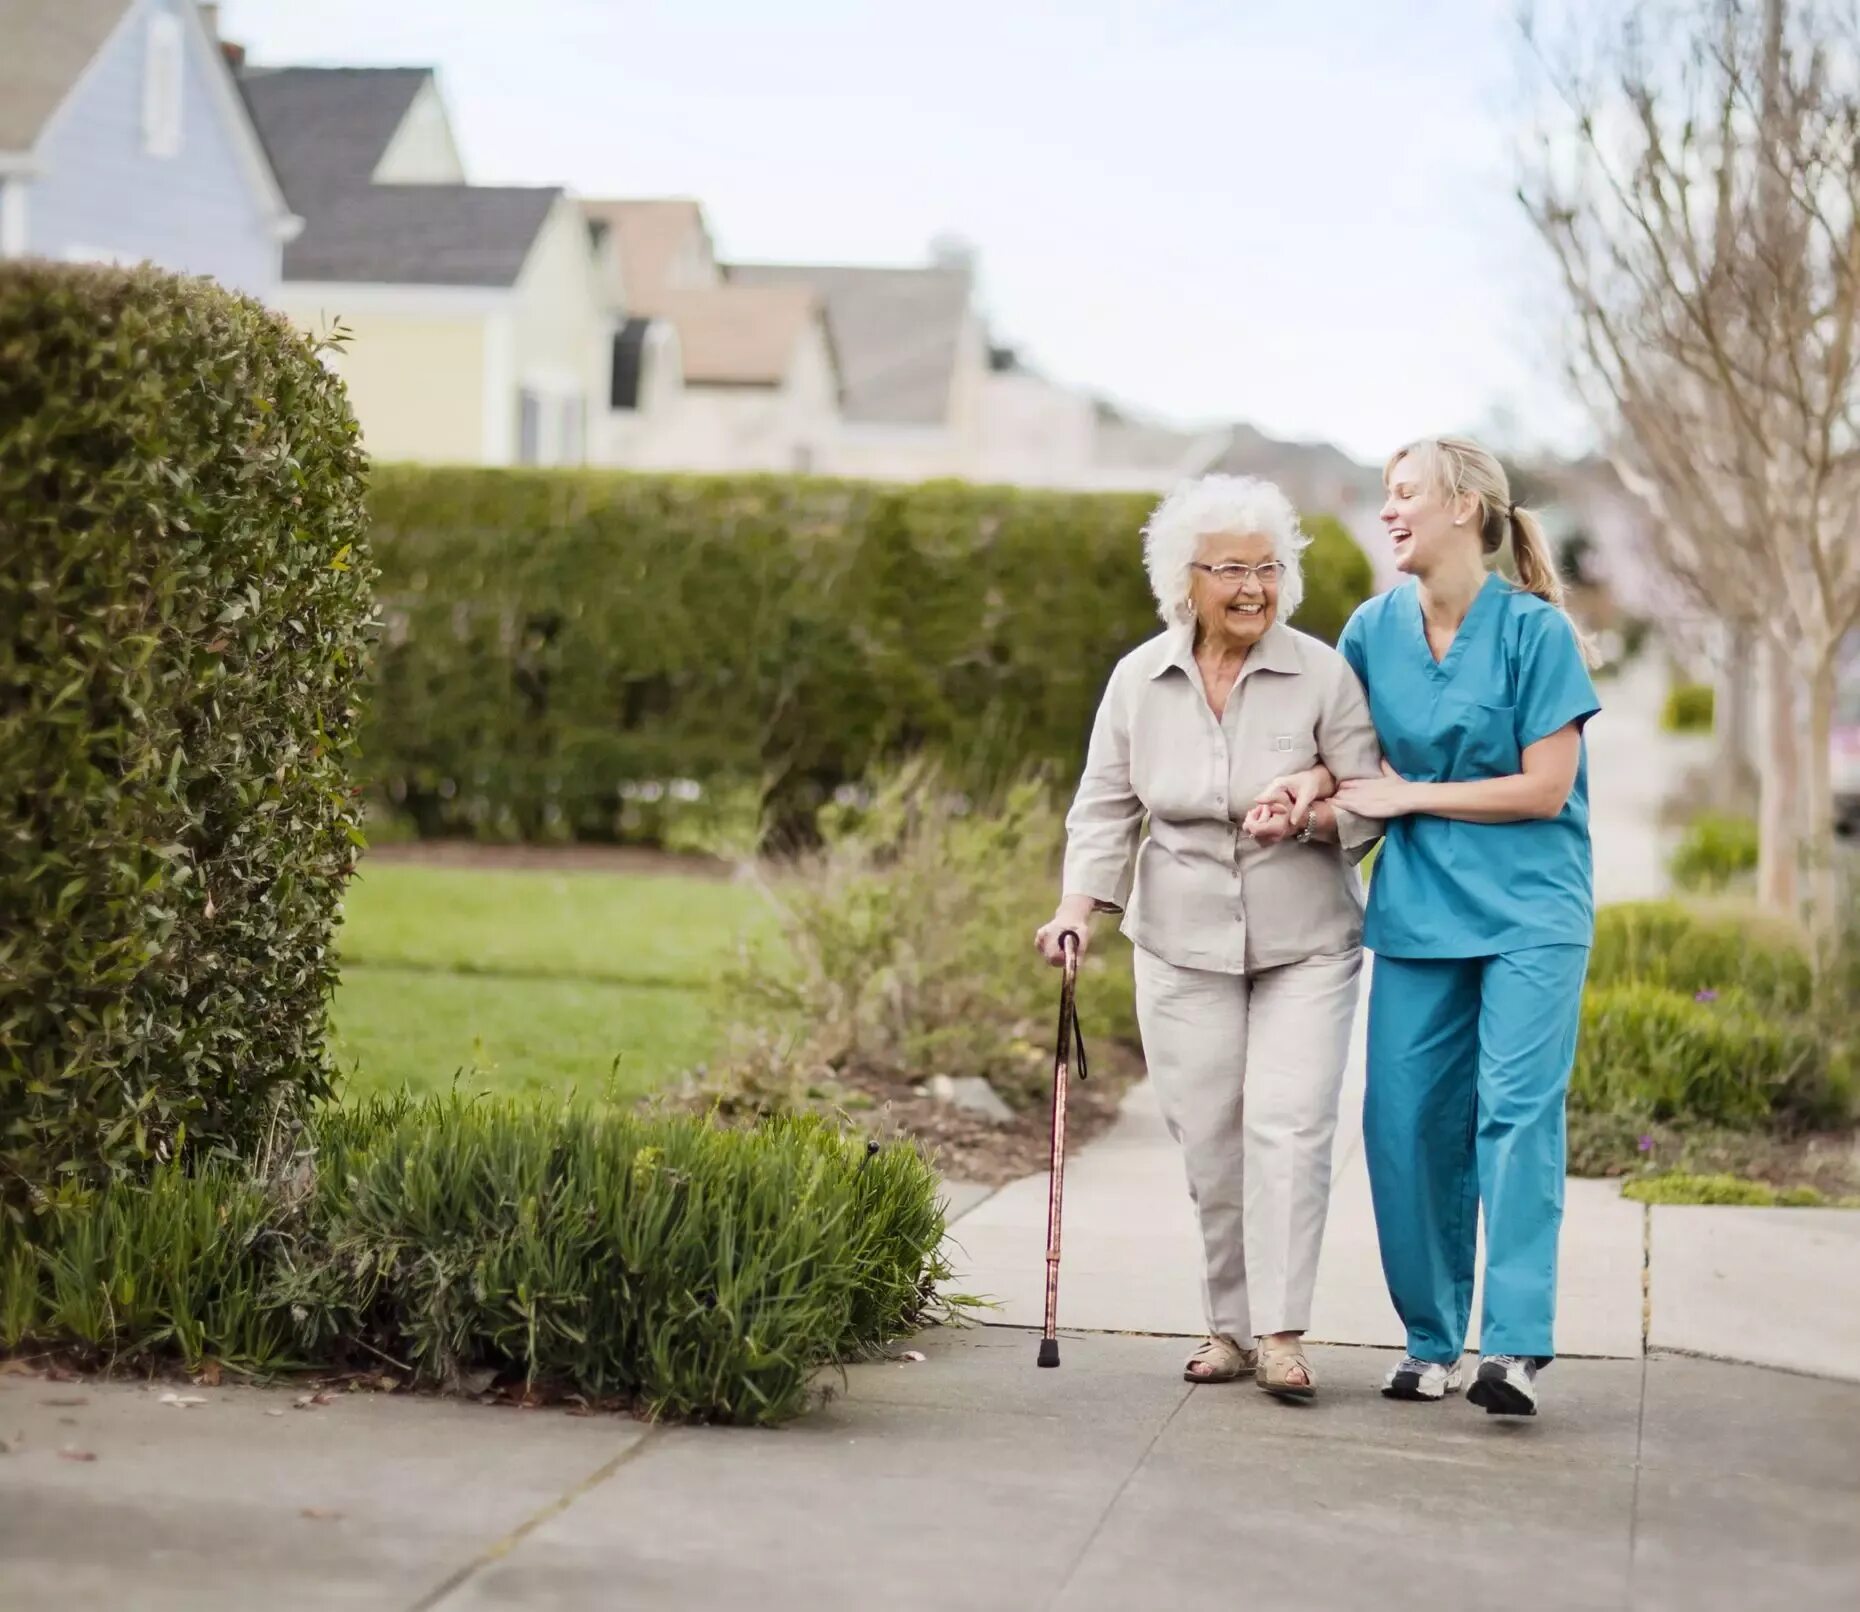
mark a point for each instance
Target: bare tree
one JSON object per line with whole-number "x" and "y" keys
{"x": 1698, "y": 183}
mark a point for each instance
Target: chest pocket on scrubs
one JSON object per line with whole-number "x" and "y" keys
{"x": 1488, "y": 746}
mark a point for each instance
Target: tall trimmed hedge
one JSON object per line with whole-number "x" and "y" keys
{"x": 568, "y": 654}
{"x": 183, "y": 597}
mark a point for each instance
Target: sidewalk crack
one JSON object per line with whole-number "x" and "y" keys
{"x": 1110, "y": 1505}
{"x": 498, "y": 1549}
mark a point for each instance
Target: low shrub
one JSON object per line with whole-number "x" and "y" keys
{"x": 907, "y": 950}
{"x": 1681, "y": 1188}
{"x": 1686, "y": 950}
{"x": 184, "y": 594}
{"x": 1650, "y": 1053}
{"x": 692, "y": 1270}
{"x": 1688, "y": 708}
{"x": 1716, "y": 849}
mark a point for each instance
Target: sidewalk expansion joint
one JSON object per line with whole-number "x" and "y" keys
{"x": 500, "y": 1548}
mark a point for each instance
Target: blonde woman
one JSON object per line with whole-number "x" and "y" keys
{"x": 1247, "y": 933}
{"x": 1481, "y": 917}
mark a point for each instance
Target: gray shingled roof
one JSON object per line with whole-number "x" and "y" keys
{"x": 44, "y": 46}
{"x": 326, "y": 129}
{"x": 896, "y": 333}
{"x": 420, "y": 235}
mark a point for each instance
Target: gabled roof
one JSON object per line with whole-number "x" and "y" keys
{"x": 648, "y": 236}
{"x": 897, "y": 333}
{"x": 326, "y": 129}
{"x": 728, "y": 335}
{"x": 738, "y": 335}
{"x": 47, "y": 44}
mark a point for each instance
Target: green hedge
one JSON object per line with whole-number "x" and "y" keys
{"x": 183, "y": 594}
{"x": 606, "y": 656}
{"x": 688, "y": 1269}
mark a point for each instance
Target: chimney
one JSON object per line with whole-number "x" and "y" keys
{"x": 210, "y": 19}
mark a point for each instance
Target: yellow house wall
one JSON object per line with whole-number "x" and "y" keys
{"x": 416, "y": 384}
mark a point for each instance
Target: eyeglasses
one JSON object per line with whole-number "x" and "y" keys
{"x": 1232, "y": 574}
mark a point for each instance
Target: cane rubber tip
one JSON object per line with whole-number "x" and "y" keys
{"x": 1049, "y": 1351}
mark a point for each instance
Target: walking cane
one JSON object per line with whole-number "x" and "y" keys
{"x": 1071, "y": 1044}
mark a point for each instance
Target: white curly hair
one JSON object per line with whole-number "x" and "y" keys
{"x": 1218, "y": 503}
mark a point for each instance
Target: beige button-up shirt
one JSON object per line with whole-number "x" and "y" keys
{"x": 1207, "y": 895}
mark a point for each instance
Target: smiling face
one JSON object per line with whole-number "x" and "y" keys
{"x": 1229, "y": 614}
{"x": 1424, "y": 524}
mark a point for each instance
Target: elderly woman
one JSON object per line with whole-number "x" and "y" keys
{"x": 1248, "y": 933}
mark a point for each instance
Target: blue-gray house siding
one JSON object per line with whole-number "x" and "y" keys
{"x": 97, "y": 193}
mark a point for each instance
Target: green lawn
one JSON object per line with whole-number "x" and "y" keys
{"x": 532, "y": 981}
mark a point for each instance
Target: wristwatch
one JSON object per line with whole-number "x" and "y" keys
{"x": 1304, "y": 834}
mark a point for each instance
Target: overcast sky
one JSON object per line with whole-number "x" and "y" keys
{"x": 1294, "y": 214}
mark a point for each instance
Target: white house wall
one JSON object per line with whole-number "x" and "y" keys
{"x": 422, "y": 151}
{"x": 98, "y": 193}
{"x": 562, "y": 334}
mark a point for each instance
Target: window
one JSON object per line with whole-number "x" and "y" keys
{"x": 161, "y": 86}
{"x": 529, "y": 428}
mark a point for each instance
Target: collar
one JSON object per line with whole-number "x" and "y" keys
{"x": 1276, "y": 651}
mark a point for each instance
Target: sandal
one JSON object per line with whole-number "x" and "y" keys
{"x": 1284, "y": 1372}
{"x": 1223, "y": 1359}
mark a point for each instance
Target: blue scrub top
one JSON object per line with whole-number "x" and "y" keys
{"x": 1513, "y": 674}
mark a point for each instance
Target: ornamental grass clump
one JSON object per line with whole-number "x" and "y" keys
{"x": 681, "y": 1267}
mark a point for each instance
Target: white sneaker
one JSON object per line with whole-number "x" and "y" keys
{"x": 1506, "y": 1386}
{"x": 1421, "y": 1379}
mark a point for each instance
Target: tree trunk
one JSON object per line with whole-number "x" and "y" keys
{"x": 1734, "y": 773}
{"x": 1822, "y": 877}
{"x": 1779, "y": 817}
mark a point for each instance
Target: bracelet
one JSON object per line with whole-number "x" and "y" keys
{"x": 1305, "y": 833}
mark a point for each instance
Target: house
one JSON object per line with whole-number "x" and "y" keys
{"x": 477, "y": 320}
{"x": 123, "y": 138}
{"x": 707, "y": 375}
{"x": 913, "y": 362}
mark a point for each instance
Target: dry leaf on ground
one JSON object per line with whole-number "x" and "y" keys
{"x": 76, "y": 1455}
{"x": 67, "y": 1404}
{"x": 322, "y": 1514}
{"x": 182, "y": 1401}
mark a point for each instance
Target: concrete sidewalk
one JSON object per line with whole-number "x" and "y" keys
{"x": 1132, "y": 1256}
{"x": 970, "y": 1479}
{"x": 1770, "y": 1287}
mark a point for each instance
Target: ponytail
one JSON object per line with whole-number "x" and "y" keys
{"x": 1531, "y": 555}
{"x": 1537, "y": 573}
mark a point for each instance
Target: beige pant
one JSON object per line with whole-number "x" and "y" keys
{"x": 1247, "y": 1070}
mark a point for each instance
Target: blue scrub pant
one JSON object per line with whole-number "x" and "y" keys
{"x": 1469, "y": 1062}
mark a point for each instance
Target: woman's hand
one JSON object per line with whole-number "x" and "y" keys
{"x": 1295, "y": 792}
{"x": 1391, "y": 795}
{"x": 1268, "y": 823}
{"x": 1074, "y": 913}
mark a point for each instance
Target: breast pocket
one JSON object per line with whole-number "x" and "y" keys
{"x": 1489, "y": 741}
